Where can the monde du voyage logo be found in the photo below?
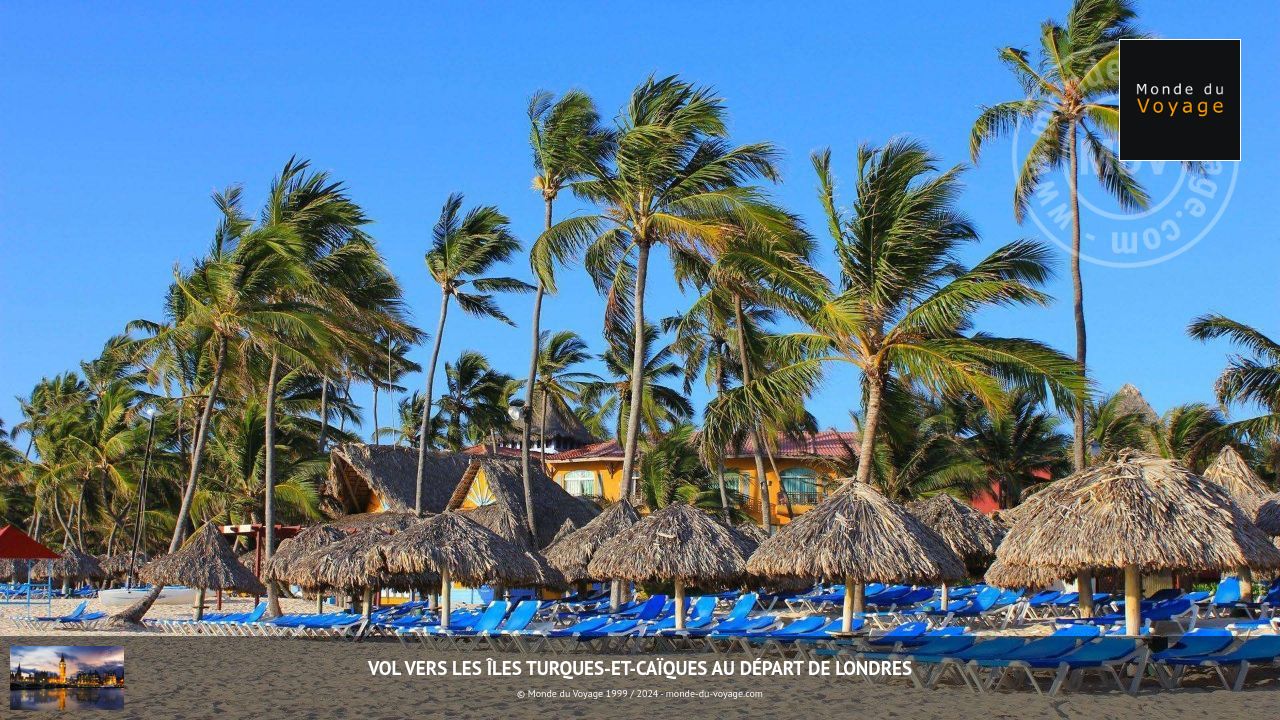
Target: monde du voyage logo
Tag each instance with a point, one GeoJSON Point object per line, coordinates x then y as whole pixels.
{"type": "Point", "coordinates": [1180, 100]}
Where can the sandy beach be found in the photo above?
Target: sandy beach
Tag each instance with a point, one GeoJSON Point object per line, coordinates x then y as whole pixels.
{"type": "Point", "coordinates": [186, 678]}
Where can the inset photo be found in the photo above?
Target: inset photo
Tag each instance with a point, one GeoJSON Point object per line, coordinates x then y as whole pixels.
{"type": "Point", "coordinates": [66, 677]}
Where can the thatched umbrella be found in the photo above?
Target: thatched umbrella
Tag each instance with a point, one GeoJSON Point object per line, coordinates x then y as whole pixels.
{"type": "Point", "coordinates": [72, 564]}
{"type": "Point", "coordinates": [1137, 513]}
{"type": "Point", "coordinates": [970, 534]}
{"type": "Point", "coordinates": [1268, 518]}
{"type": "Point", "coordinates": [571, 554]}
{"type": "Point", "coordinates": [1234, 474]}
{"type": "Point", "coordinates": [117, 566]}
{"type": "Point", "coordinates": [678, 543]}
{"type": "Point", "coordinates": [205, 562]}
{"type": "Point", "coordinates": [861, 536]}
{"type": "Point", "coordinates": [344, 566]}
{"type": "Point", "coordinates": [293, 549]}
{"type": "Point", "coordinates": [458, 549]}
{"type": "Point", "coordinates": [390, 521]}
{"type": "Point", "coordinates": [567, 528]}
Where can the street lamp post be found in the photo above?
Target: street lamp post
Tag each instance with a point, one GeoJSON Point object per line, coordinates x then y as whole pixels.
{"type": "Point", "coordinates": [150, 412]}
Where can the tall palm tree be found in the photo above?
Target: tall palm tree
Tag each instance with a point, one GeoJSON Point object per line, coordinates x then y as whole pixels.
{"type": "Point", "coordinates": [1253, 377]}
{"type": "Point", "coordinates": [1070, 85]}
{"type": "Point", "coordinates": [1112, 425]}
{"type": "Point", "coordinates": [385, 371]}
{"type": "Point", "coordinates": [675, 182]}
{"type": "Point", "coordinates": [475, 403]}
{"type": "Point", "coordinates": [463, 248]}
{"type": "Point", "coordinates": [1191, 432]}
{"type": "Point", "coordinates": [568, 141]}
{"type": "Point", "coordinates": [903, 301]}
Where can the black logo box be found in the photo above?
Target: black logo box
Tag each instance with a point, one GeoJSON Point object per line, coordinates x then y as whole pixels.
{"type": "Point", "coordinates": [1157, 80]}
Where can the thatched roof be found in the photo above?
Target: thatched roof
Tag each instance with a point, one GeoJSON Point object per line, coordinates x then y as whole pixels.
{"type": "Point", "coordinates": [570, 555]}
{"type": "Point", "coordinates": [567, 528]}
{"type": "Point", "coordinates": [560, 423]}
{"type": "Point", "coordinates": [1135, 510]}
{"type": "Point", "coordinates": [859, 534]}
{"type": "Point", "coordinates": [204, 561]}
{"type": "Point", "coordinates": [344, 565]}
{"type": "Point", "coordinates": [472, 553]}
{"type": "Point", "coordinates": [1234, 474]}
{"type": "Point", "coordinates": [72, 563]}
{"type": "Point", "coordinates": [291, 550]}
{"type": "Point", "coordinates": [678, 542]}
{"type": "Point", "coordinates": [552, 505]}
{"type": "Point", "coordinates": [1268, 517]}
{"type": "Point", "coordinates": [1004, 575]}
{"type": "Point", "coordinates": [117, 566]}
{"type": "Point", "coordinates": [389, 521]}
{"type": "Point", "coordinates": [970, 534]}
{"type": "Point", "coordinates": [358, 472]}
{"type": "Point", "coordinates": [1129, 401]}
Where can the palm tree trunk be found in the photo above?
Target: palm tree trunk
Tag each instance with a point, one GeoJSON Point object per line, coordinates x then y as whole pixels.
{"type": "Point", "coordinates": [197, 453]}
{"type": "Point", "coordinates": [426, 404]}
{"type": "Point", "coordinates": [766, 504]}
{"type": "Point", "coordinates": [133, 614]}
{"type": "Point", "coordinates": [724, 493]}
{"type": "Point", "coordinates": [324, 411]}
{"type": "Point", "coordinates": [637, 373]}
{"type": "Point", "coordinates": [869, 421]}
{"type": "Point", "coordinates": [782, 490]}
{"type": "Point", "coordinates": [526, 432]}
{"type": "Point", "coordinates": [269, 484]}
{"type": "Point", "coordinates": [1077, 287]}
{"type": "Point", "coordinates": [375, 414]}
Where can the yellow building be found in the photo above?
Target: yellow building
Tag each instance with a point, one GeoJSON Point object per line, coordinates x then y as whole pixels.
{"type": "Point", "coordinates": [804, 469]}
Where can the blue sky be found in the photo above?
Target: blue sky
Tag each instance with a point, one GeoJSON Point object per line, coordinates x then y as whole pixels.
{"type": "Point", "coordinates": [116, 126]}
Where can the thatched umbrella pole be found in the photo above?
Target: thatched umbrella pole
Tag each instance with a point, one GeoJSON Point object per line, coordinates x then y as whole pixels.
{"type": "Point", "coordinates": [1132, 600]}
{"type": "Point", "coordinates": [1245, 487]}
{"type": "Point", "coordinates": [1084, 584]}
{"type": "Point", "coordinates": [849, 602]}
{"type": "Point", "coordinates": [199, 606]}
{"type": "Point", "coordinates": [446, 586]}
{"type": "Point", "coordinates": [679, 604]}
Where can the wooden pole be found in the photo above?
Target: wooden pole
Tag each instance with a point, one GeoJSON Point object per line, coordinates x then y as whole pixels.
{"type": "Point", "coordinates": [200, 605]}
{"type": "Point", "coordinates": [615, 595]}
{"type": "Point", "coordinates": [219, 598]}
{"type": "Point", "coordinates": [946, 597]}
{"type": "Point", "coordinates": [847, 624]}
{"type": "Point", "coordinates": [445, 586]}
{"type": "Point", "coordinates": [1132, 601]}
{"type": "Point", "coordinates": [319, 603]}
{"type": "Point", "coordinates": [679, 605]}
{"type": "Point", "coordinates": [1084, 584]}
{"type": "Point", "coordinates": [1246, 584]}
{"type": "Point", "coordinates": [368, 602]}
{"type": "Point", "coordinates": [859, 596]}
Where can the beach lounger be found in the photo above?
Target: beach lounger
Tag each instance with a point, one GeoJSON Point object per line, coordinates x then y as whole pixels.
{"type": "Point", "coordinates": [1105, 655]}
{"type": "Point", "coordinates": [1180, 611]}
{"type": "Point", "coordinates": [1264, 649]}
{"type": "Point", "coordinates": [930, 668]}
{"type": "Point", "coordinates": [534, 639]}
{"type": "Point", "coordinates": [1059, 643]}
{"type": "Point", "coordinates": [488, 620]}
{"type": "Point", "coordinates": [519, 619]}
{"type": "Point", "coordinates": [1199, 642]}
{"type": "Point", "coordinates": [724, 641]}
{"type": "Point", "coordinates": [1225, 596]}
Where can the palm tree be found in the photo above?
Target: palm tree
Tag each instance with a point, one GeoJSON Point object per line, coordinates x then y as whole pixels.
{"type": "Point", "coordinates": [1246, 380]}
{"type": "Point", "coordinates": [385, 371]}
{"type": "Point", "coordinates": [1078, 71]}
{"type": "Point", "coordinates": [662, 407]}
{"type": "Point", "coordinates": [1018, 443]}
{"type": "Point", "coordinates": [903, 300]}
{"type": "Point", "coordinates": [567, 141]}
{"type": "Point", "coordinates": [1112, 425]}
{"type": "Point", "coordinates": [475, 403]}
{"type": "Point", "coordinates": [463, 248]}
{"type": "Point", "coordinates": [559, 385]}
{"type": "Point", "coordinates": [1191, 432]}
{"type": "Point", "coordinates": [675, 182]}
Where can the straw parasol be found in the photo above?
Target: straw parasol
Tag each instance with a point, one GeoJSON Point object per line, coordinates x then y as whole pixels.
{"type": "Point", "coordinates": [117, 566]}
{"type": "Point", "coordinates": [344, 566]}
{"type": "Point", "coordinates": [971, 535]}
{"type": "Point", "coordinates": [1231, 471]}
{"type": "Point", "coordinates": [72, 564]}
{"type": "Point", "coordinates": [1268, 518]}
{"type": "Point", "coordinates": [678, 543]}
{"type": "Point", "coordinates": [571, 554]}
{"type": "Point", "coordinates": [205, 562]}
{"type": "Point", "coordinates": [1138, 513]}
{"type": "Point", "coordinates": [457, 548]}
{"type": "Point", "coordinates": [861, 536]}
{"type": "Point", "coordinates": [390, 521]}
{"type": "Point", "coordinates": [291, 550]}
{"type": "Point", "coordinates": [567, 528]}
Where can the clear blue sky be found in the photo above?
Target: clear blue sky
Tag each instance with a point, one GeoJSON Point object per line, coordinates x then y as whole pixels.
{"type": "Point", "coordinates": [116, 125]}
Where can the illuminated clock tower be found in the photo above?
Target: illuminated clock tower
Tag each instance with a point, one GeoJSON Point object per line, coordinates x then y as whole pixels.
{"type": "Point", "coordinates": [62, 669]}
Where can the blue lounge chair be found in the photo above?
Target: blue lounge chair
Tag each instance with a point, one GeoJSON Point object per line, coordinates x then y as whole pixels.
{"type": "Point", "coordinates": [747, 640]}
{"type": "Point", "coordinates": [1059, 643]}
{"type": "Point", "coordinates": [1180, 611]}
{"type": "Point", "coordinates": [1201, 641]}
{"type": "Point", "coordinates": [521, 616]}
{"type": "Point", "coordinates": [1264, 649]}
{"type": "Point", "coordinates": [1226, 595]}
{"type": "Point", "coordinates": [934, 667]}
{"type": "Point", "coordinates": [1103, 655]}
{"type": "Point", "coordinates": [492, 616]}
{"type": "Point", "coordinates": [531, 640]}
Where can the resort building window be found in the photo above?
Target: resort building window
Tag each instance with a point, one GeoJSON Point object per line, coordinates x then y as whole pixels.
{"type": "Point", "coordinates": [581, 483]}
{"type": "Point", "coordinates": [801, 485]}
